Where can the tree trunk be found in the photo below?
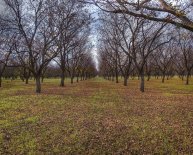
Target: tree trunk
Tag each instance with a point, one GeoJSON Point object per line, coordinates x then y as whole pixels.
{"type": "Point", "coordinates": [117, 78]}
{"type": "Point", "coordinates": [187, 79]}
{"type": "Point", "coordinates": [148, 77]}
{"type": "Point", "coordinates": [125, 80]}
{"type": "Point", "coordinates": [82, 77]}
{"type": "Point", "coordinates": [72, 80]}
{"type": "Point", "coordinates": [38, 84]}
{"type": "Point", "coordinates": [27, 80]}
{"type": "Point", "coordinates": [42, 79]}
{"type": "Point", "coordinates": [163, 79]}
{"type": "Point", "coordinates": [113, 78]}
{"type": "Point", "coordinates": [142, 82]}
{"type": "Point", "coordinates": [77, 80]}
{"type": "Point", "coordinates": [0, 81]}
{"type": "Point", "coordinates": [62, 79]}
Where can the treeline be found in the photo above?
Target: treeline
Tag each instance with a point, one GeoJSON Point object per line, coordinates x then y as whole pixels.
{"type": "Point", "coordinates": [135, 47]}
{"type": "Point", "coordinates": [34, 35]}
{"type": "Point", "coordinates": [52, 71]}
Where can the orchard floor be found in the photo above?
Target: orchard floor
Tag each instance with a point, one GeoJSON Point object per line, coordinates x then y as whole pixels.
{"type": "Point", "coordinates": [96, 117]}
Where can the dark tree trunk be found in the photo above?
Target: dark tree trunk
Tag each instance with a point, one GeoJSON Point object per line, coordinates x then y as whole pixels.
{"type": "Point", "coordinates": [62, 79]}
{"type": "Point", "coordinates": [148, 77]}
{"type": "Point", "coordinates": [77, 80]}
{"type": "Point", "coordinates": [163, 79]}
{"type": "Point", "coordinates": [72, 80]}
{"type": "Point", "coordinates": [142, 82]}
{"type": "Point", "coordinates": [125, 80]}
{"type": "Point", "coordinates": [117, 78]}
{"type": "Point", "coordinates": [38, 84]}
{"type": "Point", "coordinates": [27, 80]}
{"type": "Point", "coordinates": [187, 79]}
{"type": "Point", "coordinates": [168, 77]}
{"type": "Point", "coordinates": [0, 81]}
{"type": "Point", "coordinates": [42, 79]}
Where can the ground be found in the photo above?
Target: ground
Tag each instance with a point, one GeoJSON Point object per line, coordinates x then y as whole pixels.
{"type": "Point", "coordinates": [96, 117]}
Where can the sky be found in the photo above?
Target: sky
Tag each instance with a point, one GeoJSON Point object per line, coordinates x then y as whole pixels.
{"type": "Point", "coordinates": [1, 6]}
{"type": "Point", "coordinates": [93, 37]}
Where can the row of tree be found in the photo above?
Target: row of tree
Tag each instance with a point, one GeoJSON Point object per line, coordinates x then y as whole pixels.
{"type": "Point", "coordinates": [35, 34]}
{"type": "Point", "coordinates": [132, 46]}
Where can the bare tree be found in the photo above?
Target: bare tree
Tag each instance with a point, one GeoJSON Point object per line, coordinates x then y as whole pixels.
{"type": "Point", "coordinates": [37, 32]}
{"type": "Point", "coordinates": [73, 20]}
{"type": "Point", "coordinates": [7, 41]}
{"type": "Point", "coordinates": [164, 59]}
{"type": "Point", "coordinates": [76, 54]}
{"type": "Point", "coordinates": [177, 13]}
{"type": "Point", "coordinates": [186, 47]}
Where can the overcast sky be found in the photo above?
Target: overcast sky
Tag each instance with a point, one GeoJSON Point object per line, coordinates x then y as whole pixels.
{"type": "Point", "coordinates": [2, 7]}
{"type": "Point", "coordinates": [93, 37]}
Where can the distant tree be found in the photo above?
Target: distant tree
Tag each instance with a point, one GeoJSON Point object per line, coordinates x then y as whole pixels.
{"type": "Point", "coordinates": [186, 48]}
{"type": "Point", "coordinates": [73, 20]}
{"type": "Point", "coordinates": [7, 42]}
{"type": "Point", "coordinates": [164, 59]}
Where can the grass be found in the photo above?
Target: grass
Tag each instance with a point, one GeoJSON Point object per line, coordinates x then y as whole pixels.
{"type": "Point", "coordinates": [96, 117]}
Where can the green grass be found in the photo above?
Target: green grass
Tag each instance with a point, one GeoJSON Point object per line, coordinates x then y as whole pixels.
{"type": "Point", "coordinates": [96, 117]}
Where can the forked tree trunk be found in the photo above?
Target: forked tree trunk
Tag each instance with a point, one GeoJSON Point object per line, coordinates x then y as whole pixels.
{"type": "Point", "coordinates": [38, 84]}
